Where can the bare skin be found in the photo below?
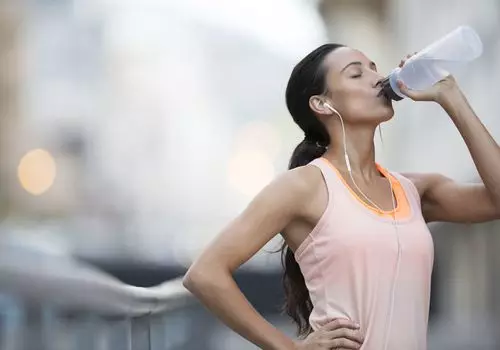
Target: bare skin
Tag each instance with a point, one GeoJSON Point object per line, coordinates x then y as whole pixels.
{"type": "Point", "coordinates": [294, 202]}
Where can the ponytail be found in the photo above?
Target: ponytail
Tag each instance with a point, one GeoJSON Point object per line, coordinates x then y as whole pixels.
{"type": "Point", "coordinates": [307, 79]}
{"type": "Point", "coordinates": [298, 303]}
{"type": "Point", "coordinates": [306, 152]}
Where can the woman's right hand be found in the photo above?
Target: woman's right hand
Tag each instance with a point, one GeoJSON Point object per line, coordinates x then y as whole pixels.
{"type": "Point", "coordinates": [339, 334]}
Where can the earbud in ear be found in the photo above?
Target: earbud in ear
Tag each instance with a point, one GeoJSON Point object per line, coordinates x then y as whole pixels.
{"type": "Point", "coordinates": [346, 156]}
{"type": "Point", "coordinates": [327, 105]}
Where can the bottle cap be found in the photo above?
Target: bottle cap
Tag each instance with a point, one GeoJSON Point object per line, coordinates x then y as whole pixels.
{"type": "Point", "coordinates": [388, 91]}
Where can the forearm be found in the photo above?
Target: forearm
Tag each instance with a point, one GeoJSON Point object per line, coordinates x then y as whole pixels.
{"type": "Point", "coordinates": [484, 150]}
{"type": "Point", "coordinates": [222, 296]}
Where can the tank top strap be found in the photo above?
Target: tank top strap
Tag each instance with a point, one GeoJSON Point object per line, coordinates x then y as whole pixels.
{"type": "Point", "coordinates": [330, 177]}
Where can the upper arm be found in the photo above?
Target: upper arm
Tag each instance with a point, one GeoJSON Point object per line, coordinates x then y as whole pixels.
{"type": "Point", "coordinates": [443, 199]}
{"type": "Point", "coordinates": [266, 215]}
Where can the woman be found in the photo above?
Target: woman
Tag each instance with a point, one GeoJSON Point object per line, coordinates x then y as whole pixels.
{"type": "Point", "coordinates": [358, 256]}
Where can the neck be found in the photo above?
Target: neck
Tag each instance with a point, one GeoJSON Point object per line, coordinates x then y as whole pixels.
{"type": "Point", "coordinates": [360, 149]}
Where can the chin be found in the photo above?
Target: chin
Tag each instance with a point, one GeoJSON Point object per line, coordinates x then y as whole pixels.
{"type": "Point", "coordinates": [387, 114]}
{"type": "Point", "coordinates": [381, 116]}
{"type": "Point", "coordinates": [376, 115]}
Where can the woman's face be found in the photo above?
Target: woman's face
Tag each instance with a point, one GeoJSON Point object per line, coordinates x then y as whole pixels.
{"type": "Point", "coordinates": [352, 81]}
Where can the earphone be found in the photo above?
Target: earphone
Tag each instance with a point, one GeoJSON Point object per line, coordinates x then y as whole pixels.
{"type": "Point", "coordinates": [346, 156]}
{"type": "Point", "coordinates": [348, 163]}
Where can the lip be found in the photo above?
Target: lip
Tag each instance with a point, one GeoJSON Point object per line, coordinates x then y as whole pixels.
{"type": "Point", "coordinates": [383, 97]}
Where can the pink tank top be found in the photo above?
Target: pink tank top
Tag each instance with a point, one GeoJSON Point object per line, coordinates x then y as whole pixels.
{"type": "Point", "coordinates": [361, 264]}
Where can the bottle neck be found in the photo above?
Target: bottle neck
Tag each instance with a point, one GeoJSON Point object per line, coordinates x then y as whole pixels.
{"type": "Point", "coordinates": [390, 87]}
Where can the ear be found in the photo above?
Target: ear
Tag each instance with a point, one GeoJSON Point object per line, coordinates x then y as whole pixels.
{"type": "Point", "coordinates": [317, 104]}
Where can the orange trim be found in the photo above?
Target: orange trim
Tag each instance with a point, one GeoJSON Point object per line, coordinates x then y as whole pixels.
{"type": "Point", "coordinates": [402, 209]}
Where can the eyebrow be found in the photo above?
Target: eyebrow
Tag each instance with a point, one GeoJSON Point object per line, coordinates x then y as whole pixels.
{"type": "Point", "coordinates": [358, 63]}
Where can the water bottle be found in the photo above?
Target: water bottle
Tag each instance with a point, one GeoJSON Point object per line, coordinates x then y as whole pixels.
{"type": "Point", "coordinates": [438, 60]}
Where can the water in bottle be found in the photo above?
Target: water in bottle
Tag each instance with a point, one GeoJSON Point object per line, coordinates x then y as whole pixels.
{"type": "Point", "coordinates": [443, 57]}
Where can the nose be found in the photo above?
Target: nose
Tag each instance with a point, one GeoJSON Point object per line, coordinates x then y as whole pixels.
{"type": "Point", "coordinates": [377, 79]}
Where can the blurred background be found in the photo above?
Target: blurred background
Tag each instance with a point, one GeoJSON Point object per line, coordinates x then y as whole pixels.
{"type": "Point", "coordinates": [132, 131]}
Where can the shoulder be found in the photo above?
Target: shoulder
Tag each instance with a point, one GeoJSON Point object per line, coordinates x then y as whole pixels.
{"type": "Point", "coordinates": [298, 182]}
{"type": "Point", "coordinates": [291, 191]}
{"type": "Point", "coordinates": [425, 181]}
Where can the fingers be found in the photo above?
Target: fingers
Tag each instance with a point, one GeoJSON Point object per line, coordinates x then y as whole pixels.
{"type": "Point", "coordinates": [342, 333]}
{"type": "Point", "coordinates": [403, 61]}
{"type": "Point", "coordinates": [340, 323]}
{"type": "Point", "coordinates": [345, 333]}
{"type": "Point", "coordinates": [343, 343]}
{"type": "Point", "coordinates": [408, 92]}
{"type": "Point", "coordinates": [402, 87]}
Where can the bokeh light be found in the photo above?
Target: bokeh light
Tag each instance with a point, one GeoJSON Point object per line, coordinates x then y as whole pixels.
{"type": "Point", "coordinates": [251, 166]}
{"type": "Point", "coordinates": [249, 171]}
{"type": "Point", "coordinates": [259, 135]}
{"type": "Point", "coordinates": [37, 171]}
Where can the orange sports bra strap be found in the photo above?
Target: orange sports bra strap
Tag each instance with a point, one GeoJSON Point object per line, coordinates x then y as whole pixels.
{"type": "Point", "coordinates": [410, 189]}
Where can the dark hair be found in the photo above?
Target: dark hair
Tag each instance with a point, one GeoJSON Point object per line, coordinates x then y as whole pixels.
{"type": "Point", "coordinates": [307, 79]}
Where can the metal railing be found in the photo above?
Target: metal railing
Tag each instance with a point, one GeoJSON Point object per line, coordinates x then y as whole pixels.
{"type": "Point", "coordinates": [55, 302]}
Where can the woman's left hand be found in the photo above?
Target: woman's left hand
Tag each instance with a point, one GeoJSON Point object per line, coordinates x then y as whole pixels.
{"type": "Point", "coordinates": [436, 93]}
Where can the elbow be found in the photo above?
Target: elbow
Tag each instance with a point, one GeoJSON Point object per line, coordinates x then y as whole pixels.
{"type": "Point", "coordinates": [197, 278]}
{"type": "Point", "coordinates": [186, 282]}
{"type": "Point", "coordinates": [190, 280]}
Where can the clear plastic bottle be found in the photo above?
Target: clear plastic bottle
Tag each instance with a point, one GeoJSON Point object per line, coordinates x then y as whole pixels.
{"type": "Point", "coordinates": [438, 60]}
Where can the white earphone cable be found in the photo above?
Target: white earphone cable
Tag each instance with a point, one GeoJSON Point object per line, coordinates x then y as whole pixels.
{"type": "Point", "coordinates": [349, 169]}
{"type": "Point", "coordinates": [394, 222]}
